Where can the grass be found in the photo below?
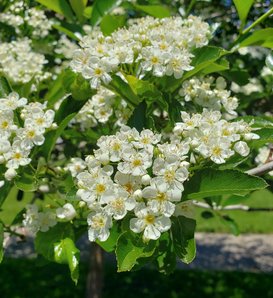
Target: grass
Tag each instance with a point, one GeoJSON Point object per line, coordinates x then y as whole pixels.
{"type": "Point", "coordinates": [28, 279]}
{"type": "Point", "coordinates": [248, 222]}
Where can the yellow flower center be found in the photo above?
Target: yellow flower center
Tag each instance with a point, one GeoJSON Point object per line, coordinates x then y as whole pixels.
{"type": "Point", "coordinates": [4, 124]}
{"type": "Point", "coordinates": [17, 155]}
{"type": "Point", "coordinates": [137, 163]}
{"type": "Point", "coordinates": [98, 222]}
{"type": "Point", "coordinates": [100, 188]}
{"type": "Point", "coordinates": [150, 219]}
{"type": "Point", "coordinates": [169, 175]}
{"type": "Point", "coordinates": [217, 151]}
{"type": "Point", "coordinates": [161, 196]}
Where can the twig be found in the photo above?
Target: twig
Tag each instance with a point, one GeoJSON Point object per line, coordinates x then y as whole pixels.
{"type": "Point", "coordinates": [260, 170]}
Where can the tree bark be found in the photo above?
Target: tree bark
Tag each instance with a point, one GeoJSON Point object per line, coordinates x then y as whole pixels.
{"type": "Point", "coordinates": [94, 282]}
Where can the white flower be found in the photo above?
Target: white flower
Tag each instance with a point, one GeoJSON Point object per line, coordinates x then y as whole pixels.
{"type": "Point", "coordinates": [118, 203]}
{"type": "Point", "coordinates": [186, 209]}
{"type": "Point", "coordinates": [17, 156]}
{"type": "Point", "coordinates": [242, 148]}
{"type": "Point", "coordinates": [150, 222]}
{"type": "Point", "coordinates": [99, 224]}
{"type": "Point", "coordinates": [76, 166]}
{"type": "Point", "coordinates": [10, 174]}
{"type": "Point", "coordinates": [30, 136]}
{"type": "Point", "coordinates": [135, 163]}
{"type": "Point", "coordinates": [161, 197]}
{"type": "Point", "coordinates": [46, 220]}
{"type": "Point", "coordinates": [170, 173]}
{"type": "Point", "coordinates": [66, 212]}
{"type": "Point", "coordinates": [12, 102]}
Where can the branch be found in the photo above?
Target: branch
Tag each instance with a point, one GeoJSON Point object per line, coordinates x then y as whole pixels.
{"type": "Point", "coordinates": [260, 170]}
{"type": "Point", "coordinates": [230, 207]}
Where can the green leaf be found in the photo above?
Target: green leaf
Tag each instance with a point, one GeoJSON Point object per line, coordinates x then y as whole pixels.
{"type": "Point", "coordinates": [110, 244]}
{"type": "Point", "coordinates": [111, 23]}
{"type": "Point", "coordinates": [45, 241]}
{"type": "Point", "coordinates": [240, 77]}
{"type": "Point", "coordinates": [101, 8]}
{"type": "Point", "coordinates": [26, 181]}
{"type": "Point", "coordinates": [147, 91]}
{"type": "Point", "coordinates": [203, 57]}
{"type": "Point", "coordinates": [157, 11]}
{"type": "Point", "coordinates": [56, 90]}
{"type": "Point", "coordinates": [65, 252]}
{"type": "Point", "coordinates": [130, 248]}
{"type": "Point", "coordinates": [243, 7]}
{"type": "Point", "coordinates": [52, 136]}
{"type": "Point", "coordinates": [60, 6]}
{"type": "Point", "coordinates": [78, 6]}
{"type": "Point", "coordinates": [5, 88]}
{"type": "Point", "coordinates": [221, 65]}
{"type": "Point", "coordinates": [266, 136]}
{"type": "Point", "coordinates": [121, 88]}
{"type": "Point", "coordinates": [211, 182]}
{"type": "Point", "coordinates": [5, 189]}
{"type": "Point", "coordinates": [88, 12]}
{"type": "Point", "coordinates": [183, 238]}
{"type": "Point", "coordinates": [166, 259]}
{"type": "Point", "coordinates": [1, 242]}
{"type": "Point", "coordinates": [66, 31]}
{"type": "Point", "coordinates": [138, 118]}
{"type": "Point", "coordinates": [262, 37]}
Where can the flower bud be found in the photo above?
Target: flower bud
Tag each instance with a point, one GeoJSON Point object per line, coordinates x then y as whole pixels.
{"type": "Point", "coordinates": [10, 174]}
{"type": "Point", "coordinates": [146, 179]}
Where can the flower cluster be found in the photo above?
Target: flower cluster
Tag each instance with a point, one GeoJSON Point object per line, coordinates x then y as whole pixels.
{"type": "Point", "coordinates": [20, 15]}
{"type": "Point", "coordinates": [211, 137]}
{"type": "Point", "coordinates": [101, 107]}
{"type": "Point", "coordinates": [156, 46]}
{"type": "Point", "coordinates": [16, 142]}
{"type": "Point", "coordinates": [36, 219]}
{"type": "Point", "coordinates": [209, 93]}
{"type": "Point", "coordinates": [20, 64]}
{"type": "Point", "coordinates": [132, 172]}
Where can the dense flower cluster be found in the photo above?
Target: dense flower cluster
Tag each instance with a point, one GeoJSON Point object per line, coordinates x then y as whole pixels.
{"type": "Point", "coordinates": [16, 141]}
{"type": "Point", "coordinates": [20, 64]}
{"type": "Point", "coordinates": [148, 182]}
{"type": "Point", "coordinates": [211, 137]}
{"type": "Point", "coordinates": [19, 15]}
{"type": "Point", "coordinates": [100, 108]}
{"type": "Point", "coordinates": [209, 93]}
{"type": "Point", "coordinates": [156, 46]}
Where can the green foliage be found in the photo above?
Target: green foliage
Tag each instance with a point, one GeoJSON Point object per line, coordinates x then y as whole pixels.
{"type": "Point", "coordinates": [1, 241]}
{"type": "Point", "coordinates": [243, 8]}
{"type": "Point", "coordinates": [26, 181]}
{"type": "Point", "coordinates": [101, 8]}
{"type": "Point", "coordinates": [65, 252]}
{"type": "Point", "coordinates": [130, 248]}
{"type": "Point", "coordinates": [5, 88]}
{"type": "Point", "coordinates": [157, 11]}
{"type": "Point", "coordinates": [262, 37]}
{"type": "Point", "coordinates": [211, 182]}
{"type": "Point", "coordinates": [79, 6]}
{"type": "Point", "coordinates": [183, 238]}
{"type": "Point", "coordinates": [60, 6]}
{"type": "Point", "coordinates": [111, 23]}
{"type": "Point", "coordinates": [57, 245]}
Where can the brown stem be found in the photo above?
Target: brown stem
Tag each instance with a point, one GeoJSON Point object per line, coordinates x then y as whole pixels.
{"type": "Point", "coordinates": [94, 281]}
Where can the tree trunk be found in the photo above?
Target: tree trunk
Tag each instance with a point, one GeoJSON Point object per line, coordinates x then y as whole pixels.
{"type": "Point", "coordinates": [94, 283]}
